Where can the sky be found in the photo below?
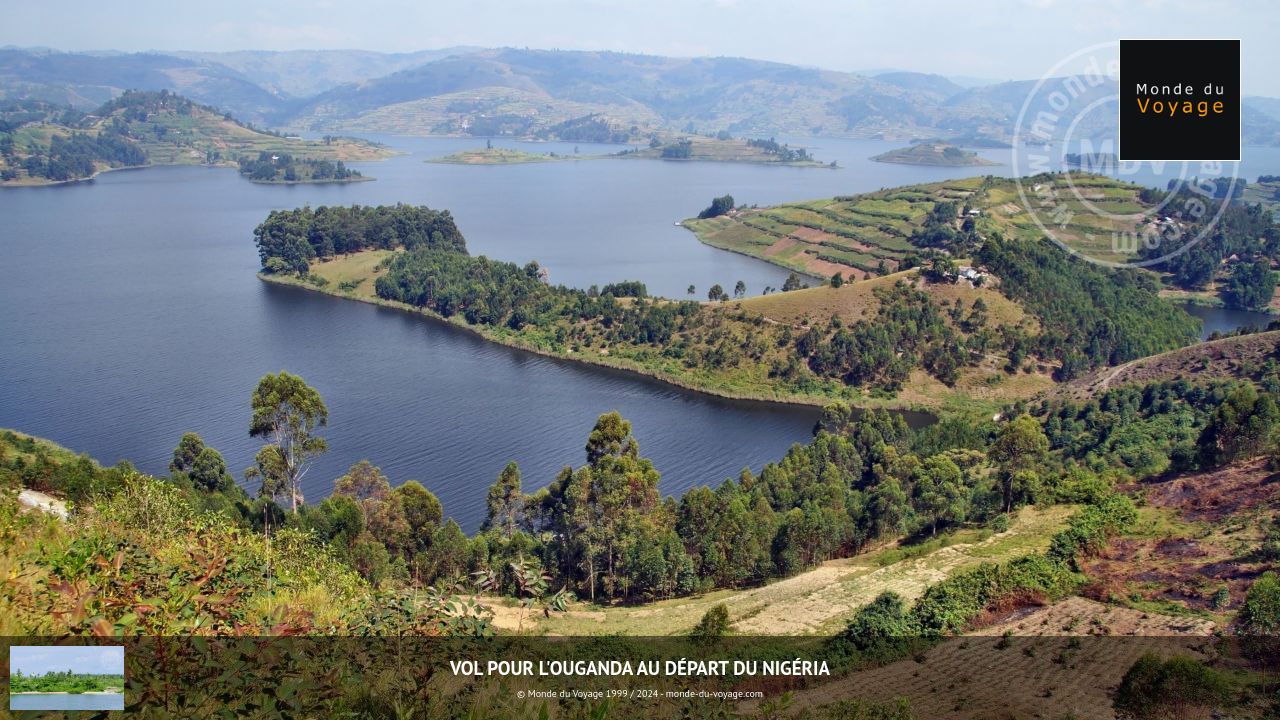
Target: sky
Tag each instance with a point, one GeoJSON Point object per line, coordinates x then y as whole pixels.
{"type": "Point", "coordinates": [993, 39]}
{"type": "Point", "coordinates": [38, 660]}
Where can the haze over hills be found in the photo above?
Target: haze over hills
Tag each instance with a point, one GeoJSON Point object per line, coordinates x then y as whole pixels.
{"type": "Point", "coordinates": [529, 93]}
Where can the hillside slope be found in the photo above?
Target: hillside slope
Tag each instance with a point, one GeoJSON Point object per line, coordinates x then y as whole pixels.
{"type": "Point", "coordinates": [42, 143]}
{"type": "Point", "coordinates": [1233, 357]}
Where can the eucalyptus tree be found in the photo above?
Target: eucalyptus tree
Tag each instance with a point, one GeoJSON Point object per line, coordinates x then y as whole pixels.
{"type": "Point", "coordinates": [286, 412]}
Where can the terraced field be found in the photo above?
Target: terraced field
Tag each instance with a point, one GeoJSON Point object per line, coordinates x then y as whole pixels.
{"type": "Point", "coordinates": [869, 234]}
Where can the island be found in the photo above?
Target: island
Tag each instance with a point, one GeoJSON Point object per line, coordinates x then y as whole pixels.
{"type": "Point", "coordinates": [717, 148]}
{"type": "Point", "coordinates": [930, 153]}
{"type": "Point", "coordinates": [43, 143]}
{"type": "Point", "coordinates": [491, 155]}
{"type": "Point", "coordinates": [724, 148]}
{"type": "Point", "coordinates": [285, 169]}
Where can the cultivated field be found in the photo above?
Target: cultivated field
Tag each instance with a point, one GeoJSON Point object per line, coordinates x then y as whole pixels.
{"type": "Point", "coordinates": [864, 234]}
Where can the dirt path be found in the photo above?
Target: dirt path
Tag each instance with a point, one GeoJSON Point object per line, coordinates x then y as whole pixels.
{"type": "Point", "coordinates": [37, 500]}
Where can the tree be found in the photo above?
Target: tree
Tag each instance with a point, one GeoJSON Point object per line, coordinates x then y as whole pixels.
{"type": "Point", "coordinates": [879, 625]}
{"type": "Point", "coordinates": [693, 290]}
{"type": "Point", "coordinates": [739, 289]}
{"type": "Point", "coordinates": [363, 482]}
{"type": "Point", "coordinates": [717, 293]}
{"type": "Point", "coordinates": [384, 514]}
{"type": "Point", "coordinates": [209, 471]}
{"type": "Point", "coordinates": [719, 206]}
{"type": "Point", "coordinates": [837, 279]}
{"type": "Point", "coordinates": [1019, 445]}
{"type": "Point", "coordinates": [422, 510]}
{"type": "Point", "coordinates": [713, 625]}
{"type": "Point", "coordinates": [1242, 425]}
{"type": "Point", "coordinates": [505, 501]}
{"type": "Point", "coordinates": [1260, 614]}
{"type": "Point", "coordinates": [1251, 285]}
{"type": "Point", "coordinates": [1259, 619]}
{"type": "Point", "coordinates": [185, 454]}
{"type": "Point", "coordinates": [793, 282]}
{"type": "Point", "coordinates": [287, 412]}
{"type": "Point", "coordinates": [601, 511]}
{"type": "Point", "coordinates": [940, 491]}
{"type": "Point", "coordinates": [1179, 687]}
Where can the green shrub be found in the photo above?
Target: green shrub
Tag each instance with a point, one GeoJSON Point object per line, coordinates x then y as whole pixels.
{"type": "Point", "coordinates": [1173, 688]}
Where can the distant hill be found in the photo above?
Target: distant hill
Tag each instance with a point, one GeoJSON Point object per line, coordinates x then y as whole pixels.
{"type": "Point", "coordinates": [303, 73]}
{"type": "Point", "coordinates": [924, 82]}
{"type": "Point", "coordinates": [537, 93]}
{"type": "Point", "coordinates": [86, 81]}
{"type": "Point", "coordinates": [42, 143]}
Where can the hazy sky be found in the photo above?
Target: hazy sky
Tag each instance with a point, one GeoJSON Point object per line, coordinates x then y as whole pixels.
{"type": "Point", "coordinates": [998, 39]}
{"type": "Point", "coordinates": [38, 660]}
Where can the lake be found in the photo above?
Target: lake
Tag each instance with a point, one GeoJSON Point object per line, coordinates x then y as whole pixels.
{"type": "Point", "coordinates": [130, 313]}
{"type": "Point", "coordinates": [67, 701]}
{"type": "Point", "coordinates": [1224, 320]}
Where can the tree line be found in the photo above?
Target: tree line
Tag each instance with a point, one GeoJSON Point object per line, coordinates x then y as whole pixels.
{"type": "Point", "coordinates": [288, 240]}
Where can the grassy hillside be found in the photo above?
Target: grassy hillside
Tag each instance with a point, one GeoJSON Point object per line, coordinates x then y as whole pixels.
{"type": "Point", "coordinates": [41, 143]}
{"type": "Point", "coordinates": [1244, 356]}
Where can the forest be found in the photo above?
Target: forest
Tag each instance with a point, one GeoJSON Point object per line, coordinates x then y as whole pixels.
{"type": "Point", "coordinates": [288, 240]}
{"type": "Point", "coordinates": [1236, 248]}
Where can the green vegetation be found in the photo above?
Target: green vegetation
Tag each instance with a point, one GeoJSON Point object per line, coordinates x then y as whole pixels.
{"type": "Point", "coordinates": [1179, 686]}
{"type": "Point", "coordinates": [1089, 316]}
{"type": "Point", "coordinates": [65, 682]}
{"type": "Point", "coordinates": [926, 153]}
{"type": "Point", "coordinates": [42, 143]}
{"type": "Point", "coordinates": [1236, 250]}
{"type": "Point", "coordinates": [272, 168]}
{"type": "Point", "coordinates": [498, 156]}
{"type": "Point", "coordinates": [288, 240]}
{"type": "Point", "coordinates": [719, 206]}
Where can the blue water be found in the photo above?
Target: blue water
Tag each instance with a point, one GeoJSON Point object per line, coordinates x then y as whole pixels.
{"type": "Point", "coordinates": [130, 314]}
{"type": "Point", "coordinates": [57, 701]}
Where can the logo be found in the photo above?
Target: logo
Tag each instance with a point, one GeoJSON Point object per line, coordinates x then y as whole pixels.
{"type": "Point", "coordinates": [1067, 134]}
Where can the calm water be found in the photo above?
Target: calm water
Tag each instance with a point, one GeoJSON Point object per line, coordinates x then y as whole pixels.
{"type": "Point", "coordinates": [58, 701]}
{"type": "Point", "coordinates": [1224, 320]}
{"type": "Point", "coordinates": [130, 313]}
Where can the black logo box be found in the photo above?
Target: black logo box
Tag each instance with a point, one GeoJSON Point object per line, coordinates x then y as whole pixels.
{"type": "Point", "coordinates": [1189, 65]}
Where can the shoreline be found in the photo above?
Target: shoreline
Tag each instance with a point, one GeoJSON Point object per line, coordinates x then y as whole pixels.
{"type": "Point", "coordinates": [362, 178]}
{"type": "Point", "coordinates": [605, 361]}
{"type": "Point", "coordinates": [763, 258]}
{"type": "Point", "coordinates": [64, 692]}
